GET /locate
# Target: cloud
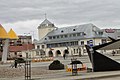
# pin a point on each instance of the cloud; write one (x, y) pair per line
(23, 27)
(64, 10)
(24, 13)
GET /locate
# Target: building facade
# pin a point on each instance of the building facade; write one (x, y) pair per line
(20, 46)
(69, 40)
(12, 46)
(114, 33)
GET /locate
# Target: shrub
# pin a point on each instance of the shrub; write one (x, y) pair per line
(56, 65)
(20, 60)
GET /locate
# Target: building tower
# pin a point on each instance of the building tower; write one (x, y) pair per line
(44, 28)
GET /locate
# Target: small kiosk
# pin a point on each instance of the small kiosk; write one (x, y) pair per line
(75, 66)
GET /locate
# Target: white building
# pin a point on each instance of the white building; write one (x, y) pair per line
(113, 33)
(56, 41)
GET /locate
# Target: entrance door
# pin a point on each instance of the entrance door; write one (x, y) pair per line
(50, 54)
(58, 53)
(66, 51)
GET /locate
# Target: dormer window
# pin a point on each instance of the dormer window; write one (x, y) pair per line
(73, 29)
(99, 33)
(82, 34)
(62, 31)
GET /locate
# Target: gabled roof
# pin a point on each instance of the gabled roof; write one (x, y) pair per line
(46, 22)
(12, 34)
(89, 31)
(86, 28)
(3, 33)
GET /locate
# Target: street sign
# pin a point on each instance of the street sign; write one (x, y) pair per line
(91, 43)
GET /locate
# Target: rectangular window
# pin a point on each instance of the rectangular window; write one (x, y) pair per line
(88, 42)
(57, 37)
(55, 45)
(61, 36)
(72, 43)
(74, 51)
(37, 53)
(42, 46)
(74, 35)
(54, 37)
(82, 33)
(78, 34)
(65, 36)
(38, 47)
(77, 51)
(50, 37)
(104, 41)
(48, 45)
(76, 42)
(82, 42)
(100, 33)
(70, 35)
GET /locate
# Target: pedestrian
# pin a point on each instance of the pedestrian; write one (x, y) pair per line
(64, 55)
(113, 52)
(15, 63)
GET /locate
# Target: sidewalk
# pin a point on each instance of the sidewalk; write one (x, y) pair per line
(63, 75)
(80, 76)
(68, 76)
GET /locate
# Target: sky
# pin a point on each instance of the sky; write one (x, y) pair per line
(24, 16)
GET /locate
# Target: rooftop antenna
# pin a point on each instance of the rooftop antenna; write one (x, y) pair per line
(45, 16)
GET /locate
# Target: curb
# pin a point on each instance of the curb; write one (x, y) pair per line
(85, 76)
(100, 77)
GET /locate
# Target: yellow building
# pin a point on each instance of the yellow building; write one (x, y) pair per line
(3, 33)
(3, 36)
(12, 34)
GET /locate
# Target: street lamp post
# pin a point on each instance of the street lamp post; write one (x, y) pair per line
(91, 51)
(79, 51)
(27, 62)
(33, 35)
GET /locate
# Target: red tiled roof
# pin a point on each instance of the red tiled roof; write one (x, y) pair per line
(24, 47)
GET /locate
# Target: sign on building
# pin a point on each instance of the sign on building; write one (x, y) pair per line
(109, 30)
(90, 43)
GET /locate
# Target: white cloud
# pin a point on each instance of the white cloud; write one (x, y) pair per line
(21, 27)
(25, 15)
